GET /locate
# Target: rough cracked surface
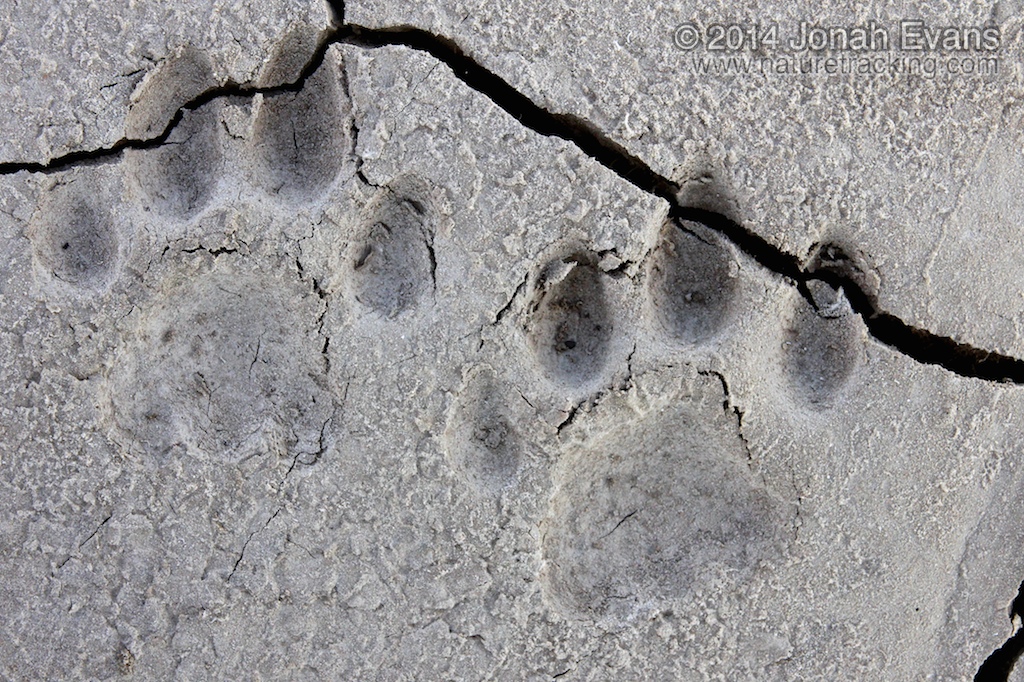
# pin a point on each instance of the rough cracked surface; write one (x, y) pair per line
(331, 355)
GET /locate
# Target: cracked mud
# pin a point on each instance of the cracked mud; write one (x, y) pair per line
(320, 375)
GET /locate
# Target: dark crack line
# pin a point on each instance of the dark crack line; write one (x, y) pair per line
(731, 409)
(83, 543)
(317, 289)
(337, 9)
(918, 344)
(564, 126)
(245, 545)
(228, 90)
(428, 241)
(999, 665)
(93, 534)
(570, 417)
(617, 525)
(520, 288)
(354, 133)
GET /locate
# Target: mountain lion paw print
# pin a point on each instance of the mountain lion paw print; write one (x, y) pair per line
(654, 495)
(222, 346)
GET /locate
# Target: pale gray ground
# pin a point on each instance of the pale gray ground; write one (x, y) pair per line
(370, 381)
(921, 173)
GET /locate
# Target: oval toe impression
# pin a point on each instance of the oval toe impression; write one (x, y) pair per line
(692, 282)
(300, 137)
(176, 179)
(482, 442)
(569, 325)
(74, 240)
(391, 260)
(823, 347)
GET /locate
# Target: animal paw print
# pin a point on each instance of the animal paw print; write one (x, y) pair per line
(655, 494)
(225, 355)
(226, 350)
(220, 354)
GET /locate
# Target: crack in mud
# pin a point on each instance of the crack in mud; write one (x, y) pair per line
(999, 665)
(918, 344)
